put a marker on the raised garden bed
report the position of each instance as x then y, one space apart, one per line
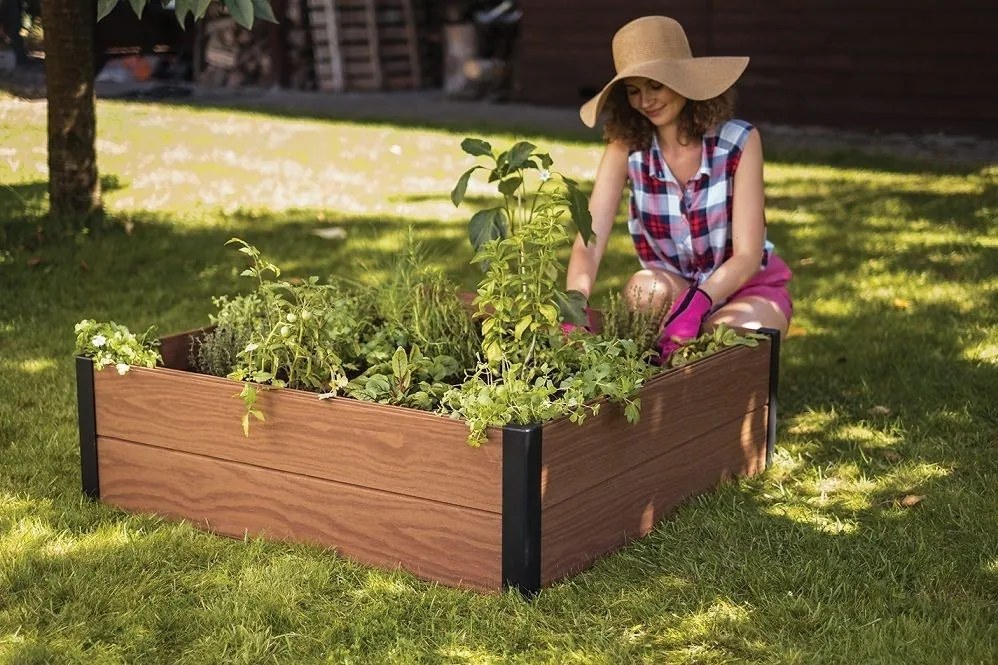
395 487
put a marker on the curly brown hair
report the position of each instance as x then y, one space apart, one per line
624 123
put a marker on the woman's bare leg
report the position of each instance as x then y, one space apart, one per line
750 312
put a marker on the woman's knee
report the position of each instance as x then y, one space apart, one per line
653 289
751 312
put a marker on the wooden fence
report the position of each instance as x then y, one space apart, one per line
885 65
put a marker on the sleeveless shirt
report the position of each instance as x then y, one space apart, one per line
686 229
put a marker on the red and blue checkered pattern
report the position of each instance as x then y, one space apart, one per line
686 230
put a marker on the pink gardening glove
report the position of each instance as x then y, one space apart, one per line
567 327
684 321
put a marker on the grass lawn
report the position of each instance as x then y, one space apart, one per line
872 539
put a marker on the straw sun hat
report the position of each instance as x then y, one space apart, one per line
655 47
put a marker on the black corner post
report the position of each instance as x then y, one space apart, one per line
88 426
774 380
521 508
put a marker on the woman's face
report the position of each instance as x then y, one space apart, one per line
653 100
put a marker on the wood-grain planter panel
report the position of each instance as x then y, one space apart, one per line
395 487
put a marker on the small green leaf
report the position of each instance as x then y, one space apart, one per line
400 362
546 160
486 225
104 7
521 326
519 153
578 206
493 353
262 10
182 8
242 11
138 6
550 313
488 325
200 9
461 187
508 187
476 147
258 414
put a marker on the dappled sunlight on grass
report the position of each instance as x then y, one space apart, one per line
37 365
218 160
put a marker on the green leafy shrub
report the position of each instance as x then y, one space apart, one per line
110 343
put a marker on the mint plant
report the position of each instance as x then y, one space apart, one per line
110 343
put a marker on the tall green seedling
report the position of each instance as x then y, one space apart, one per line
516 244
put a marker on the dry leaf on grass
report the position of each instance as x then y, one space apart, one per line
34 261
879 410
901 303
796 331
909 500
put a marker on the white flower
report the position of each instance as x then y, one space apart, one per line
99 340
121 367
545 175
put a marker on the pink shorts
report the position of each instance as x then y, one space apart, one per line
769 283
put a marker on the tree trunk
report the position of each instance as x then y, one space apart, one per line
74 187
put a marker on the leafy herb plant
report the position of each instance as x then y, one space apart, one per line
711 342
110 343
530 371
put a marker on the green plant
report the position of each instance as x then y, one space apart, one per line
408 379
580 372
418 305
237 319
311 337
632 319
710 342
531 372
527 220
110 343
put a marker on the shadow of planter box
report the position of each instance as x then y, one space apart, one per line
395 487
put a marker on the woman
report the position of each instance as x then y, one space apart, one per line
696 211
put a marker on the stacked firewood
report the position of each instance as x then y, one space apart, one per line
227 55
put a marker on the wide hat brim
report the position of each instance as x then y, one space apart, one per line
693 78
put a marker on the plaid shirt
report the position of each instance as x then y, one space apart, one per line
686 230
